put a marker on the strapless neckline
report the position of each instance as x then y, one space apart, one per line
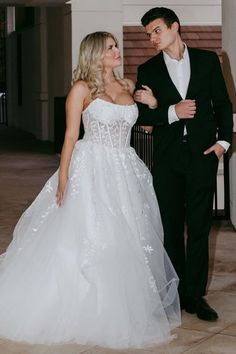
108 102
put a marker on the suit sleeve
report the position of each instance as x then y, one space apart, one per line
222 105
147 116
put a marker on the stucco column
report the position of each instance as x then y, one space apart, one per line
41 89
93 15
229 68
11 72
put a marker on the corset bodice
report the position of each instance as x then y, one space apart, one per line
109 124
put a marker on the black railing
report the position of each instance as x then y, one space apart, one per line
3 108
143 145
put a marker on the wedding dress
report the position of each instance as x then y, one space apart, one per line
93 271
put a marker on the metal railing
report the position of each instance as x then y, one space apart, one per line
143 145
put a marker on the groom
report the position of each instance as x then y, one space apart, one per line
192 129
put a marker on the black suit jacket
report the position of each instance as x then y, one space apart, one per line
206 86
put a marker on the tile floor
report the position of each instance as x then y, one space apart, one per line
25 166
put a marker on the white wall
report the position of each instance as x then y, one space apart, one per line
111 15
229 47
93 15
190 12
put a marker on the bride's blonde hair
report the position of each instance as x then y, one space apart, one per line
90 66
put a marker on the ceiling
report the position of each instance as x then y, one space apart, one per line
32 2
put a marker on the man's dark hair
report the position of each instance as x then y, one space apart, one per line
168 16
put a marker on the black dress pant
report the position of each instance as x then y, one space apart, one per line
185 187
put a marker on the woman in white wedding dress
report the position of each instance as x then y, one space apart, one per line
87 263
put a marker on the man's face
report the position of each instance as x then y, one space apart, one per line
160 35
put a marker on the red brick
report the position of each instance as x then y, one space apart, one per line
138 49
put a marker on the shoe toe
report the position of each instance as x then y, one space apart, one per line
205 312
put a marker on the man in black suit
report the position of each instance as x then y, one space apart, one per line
192 119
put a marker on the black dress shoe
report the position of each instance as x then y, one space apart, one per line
201 308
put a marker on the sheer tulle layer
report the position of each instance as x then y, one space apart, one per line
93 271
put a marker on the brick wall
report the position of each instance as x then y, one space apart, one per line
137 48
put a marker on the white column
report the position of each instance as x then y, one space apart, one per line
67 48
229 68
11 67
41 91
93 15
10 19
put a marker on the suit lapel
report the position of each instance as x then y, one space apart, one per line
163 73
162 69
193 73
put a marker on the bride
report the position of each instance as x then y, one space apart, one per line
87 263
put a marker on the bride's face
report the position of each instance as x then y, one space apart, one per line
111 58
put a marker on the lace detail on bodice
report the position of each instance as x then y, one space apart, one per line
109 124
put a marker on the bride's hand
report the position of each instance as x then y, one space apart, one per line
61 190
146 96
147 128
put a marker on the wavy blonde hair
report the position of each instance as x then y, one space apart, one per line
90 67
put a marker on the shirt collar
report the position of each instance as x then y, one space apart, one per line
168 59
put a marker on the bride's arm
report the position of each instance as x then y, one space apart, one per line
74 107
145 96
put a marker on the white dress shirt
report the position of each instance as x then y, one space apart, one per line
179 71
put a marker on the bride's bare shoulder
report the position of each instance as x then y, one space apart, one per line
78 95
130 84
78 92
80 87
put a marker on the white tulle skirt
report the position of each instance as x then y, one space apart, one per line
93 271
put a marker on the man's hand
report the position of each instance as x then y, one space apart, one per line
185 109
218 150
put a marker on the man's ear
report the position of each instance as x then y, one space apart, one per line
175 26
